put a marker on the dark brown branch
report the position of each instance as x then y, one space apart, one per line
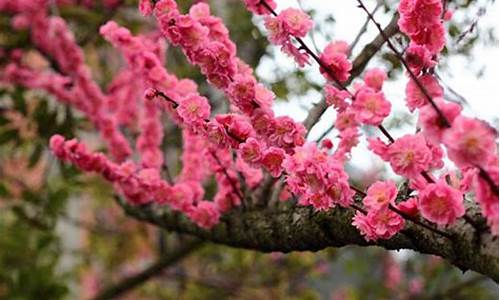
493 185
156 268
286 228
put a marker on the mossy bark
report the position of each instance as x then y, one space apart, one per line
286 228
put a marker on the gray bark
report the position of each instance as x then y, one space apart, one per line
286 228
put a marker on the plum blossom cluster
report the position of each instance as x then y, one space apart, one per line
236 147
441 203
379 222
412 156
192 111
470 143
409 155
421 21
205 41
292 22
318 178
73 84
370 107
139 185
366 106
289 23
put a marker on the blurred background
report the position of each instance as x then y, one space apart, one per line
63 237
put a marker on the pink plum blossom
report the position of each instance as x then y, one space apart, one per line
470 142
409 155
295 22
432 125
381 194
277 33
371 107
409 206
415 98
336 98
418 57
300 56
346 119
440 203
205 214
335 60
251 151
374 78
272 160
194 109
378 224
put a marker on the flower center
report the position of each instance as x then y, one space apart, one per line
471 144
192 107
371 104
439 205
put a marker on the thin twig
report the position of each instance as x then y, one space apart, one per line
420 223
472 26
359 64
153 270
363 29
325 133
304 46
452 291
233 184
402 214
382 129
424 91
167 98
311 33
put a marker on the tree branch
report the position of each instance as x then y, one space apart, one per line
288 228
363 29
156 268
452 291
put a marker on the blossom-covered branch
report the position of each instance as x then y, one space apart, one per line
235 151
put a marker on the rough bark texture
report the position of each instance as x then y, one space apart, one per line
286 228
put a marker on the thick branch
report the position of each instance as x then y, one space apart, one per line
359 64
156 268
285 228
